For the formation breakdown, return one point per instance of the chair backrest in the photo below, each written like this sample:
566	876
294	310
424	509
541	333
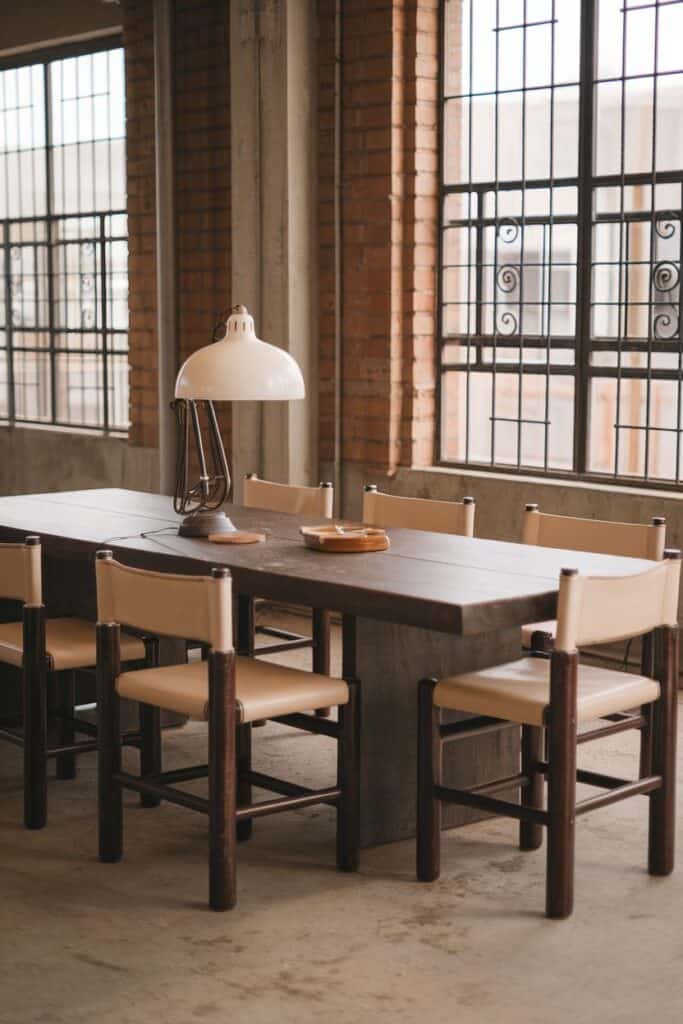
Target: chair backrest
21	571
297	501
631	540
388	510
191	607
601	609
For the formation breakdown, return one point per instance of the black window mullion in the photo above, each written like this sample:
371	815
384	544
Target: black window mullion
49	193
104	322
8	324
585	232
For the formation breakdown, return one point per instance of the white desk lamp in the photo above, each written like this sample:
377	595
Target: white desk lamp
237	368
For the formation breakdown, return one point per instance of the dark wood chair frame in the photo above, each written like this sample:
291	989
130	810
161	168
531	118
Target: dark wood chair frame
542	643
39	683
319	641
657	775
231	778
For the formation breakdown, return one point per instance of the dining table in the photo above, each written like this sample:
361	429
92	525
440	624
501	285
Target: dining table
431	605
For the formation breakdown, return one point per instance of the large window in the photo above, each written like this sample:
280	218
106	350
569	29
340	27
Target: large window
63	242
562	171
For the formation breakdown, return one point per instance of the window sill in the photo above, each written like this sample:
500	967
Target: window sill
530	479
55	428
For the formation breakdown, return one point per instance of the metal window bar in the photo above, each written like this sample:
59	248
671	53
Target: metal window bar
64	332
642	342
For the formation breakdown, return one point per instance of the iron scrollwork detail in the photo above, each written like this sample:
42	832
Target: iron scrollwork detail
665	226
508	230
507	323
507	278
665	279
16	288
87	284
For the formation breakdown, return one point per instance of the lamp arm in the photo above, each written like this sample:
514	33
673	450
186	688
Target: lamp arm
219	456
212	489
180	497
203	484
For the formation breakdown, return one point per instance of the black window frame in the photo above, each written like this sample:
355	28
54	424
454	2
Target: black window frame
102	235
587	181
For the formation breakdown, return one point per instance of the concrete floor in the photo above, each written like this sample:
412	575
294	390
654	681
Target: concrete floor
134	942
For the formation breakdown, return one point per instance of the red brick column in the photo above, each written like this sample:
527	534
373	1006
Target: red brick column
388	230
202	173
420	218
202	169
138	41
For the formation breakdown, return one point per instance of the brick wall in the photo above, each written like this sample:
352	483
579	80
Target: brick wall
202	170
202	109
420	218
138	29
388	230
388	213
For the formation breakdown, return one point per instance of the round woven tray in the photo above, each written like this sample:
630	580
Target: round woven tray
345	539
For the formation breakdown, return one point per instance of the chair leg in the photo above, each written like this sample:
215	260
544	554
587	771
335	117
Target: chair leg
428	776
110	802
322	650
244	828
348	780
245	642
541	643
222	782
530	833
663	800
150	748
66	763
647	668
34	694
646	734
561	785
246	628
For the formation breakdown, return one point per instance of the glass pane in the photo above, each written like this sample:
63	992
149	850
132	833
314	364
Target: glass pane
79	389
75	252
117	369
4	383
32	386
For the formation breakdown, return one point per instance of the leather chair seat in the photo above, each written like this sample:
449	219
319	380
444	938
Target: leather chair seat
264	690
69	643
520	692
549	628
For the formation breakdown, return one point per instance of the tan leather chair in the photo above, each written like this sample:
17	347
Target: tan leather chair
309	503
631	540
47	652
556	695
228	693
387	510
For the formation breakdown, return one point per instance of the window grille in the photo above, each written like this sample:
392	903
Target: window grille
63	237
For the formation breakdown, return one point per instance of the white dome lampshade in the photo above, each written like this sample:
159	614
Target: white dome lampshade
240	367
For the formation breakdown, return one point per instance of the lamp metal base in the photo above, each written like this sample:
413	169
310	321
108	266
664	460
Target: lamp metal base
201	524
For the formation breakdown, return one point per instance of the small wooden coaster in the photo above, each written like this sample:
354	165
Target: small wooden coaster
239	537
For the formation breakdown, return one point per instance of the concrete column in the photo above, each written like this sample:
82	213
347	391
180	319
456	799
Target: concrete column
273	90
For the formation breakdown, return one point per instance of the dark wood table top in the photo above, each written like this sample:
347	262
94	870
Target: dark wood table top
451	584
